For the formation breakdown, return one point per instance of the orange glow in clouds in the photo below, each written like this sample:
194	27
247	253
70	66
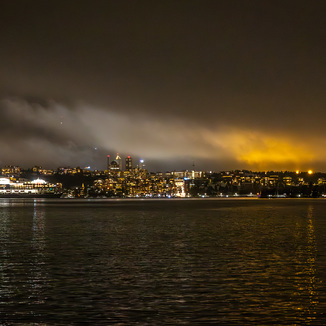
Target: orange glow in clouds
260	151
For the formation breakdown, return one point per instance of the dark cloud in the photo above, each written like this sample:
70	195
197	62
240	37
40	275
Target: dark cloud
41	133
175	81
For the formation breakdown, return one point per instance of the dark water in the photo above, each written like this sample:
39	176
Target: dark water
168	262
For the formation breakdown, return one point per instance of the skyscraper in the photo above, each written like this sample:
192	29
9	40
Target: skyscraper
128	163
119	161
142	164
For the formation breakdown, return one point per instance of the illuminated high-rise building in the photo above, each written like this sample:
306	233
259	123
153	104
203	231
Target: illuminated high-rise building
115	165
128	163
119	161
142	164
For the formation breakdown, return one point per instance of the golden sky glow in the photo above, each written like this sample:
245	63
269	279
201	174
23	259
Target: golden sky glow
270	150
263	151
267	152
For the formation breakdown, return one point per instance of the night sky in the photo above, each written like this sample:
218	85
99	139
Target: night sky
221	84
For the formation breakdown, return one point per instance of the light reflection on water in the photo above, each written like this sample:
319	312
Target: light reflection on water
162	262
306	282
38	277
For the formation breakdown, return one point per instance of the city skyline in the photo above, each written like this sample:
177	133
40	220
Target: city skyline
115	163
227	85
134	181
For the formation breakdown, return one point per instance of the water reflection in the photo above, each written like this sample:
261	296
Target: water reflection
5	291
23	263
38	278
165	263
306	281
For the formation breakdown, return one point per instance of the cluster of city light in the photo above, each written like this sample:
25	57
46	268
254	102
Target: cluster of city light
38	181
7	181
4	181
309	172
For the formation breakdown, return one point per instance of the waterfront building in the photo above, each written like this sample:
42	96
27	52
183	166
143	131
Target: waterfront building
179	188
287	181
37	187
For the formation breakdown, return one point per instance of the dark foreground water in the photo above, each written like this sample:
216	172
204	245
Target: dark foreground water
167	262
